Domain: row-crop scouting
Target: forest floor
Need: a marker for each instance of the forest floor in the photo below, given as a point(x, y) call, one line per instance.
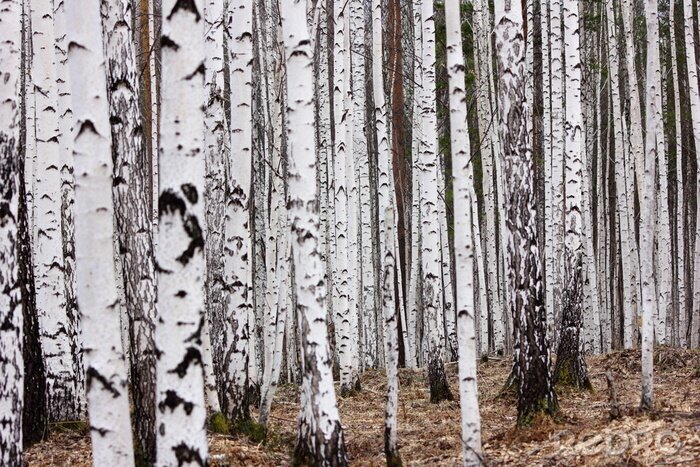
point(429, 434)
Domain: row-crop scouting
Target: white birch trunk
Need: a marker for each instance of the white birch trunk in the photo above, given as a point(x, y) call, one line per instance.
point(12, 330)
point(55, 324)
point(680, 337)
point(237, 244)
point(216, 140)
point(693, 85)
point(181, 412)
point(105, 367)
point(153, 67)
point(432, 296)
point(320, 439)
point(654, 127)
point(446, 277)
point(464, 244)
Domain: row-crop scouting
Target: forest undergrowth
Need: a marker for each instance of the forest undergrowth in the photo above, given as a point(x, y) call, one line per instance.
point(582, 434)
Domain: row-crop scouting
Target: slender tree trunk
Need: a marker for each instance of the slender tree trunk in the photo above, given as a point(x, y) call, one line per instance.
point(216, 139)
point(693, 85)
point(531, 349)
point(11, 332)
point(237, 247)
point(655, 127)
point(320, 439)
point(680, 337)
point(59, 332)
point(432, 295)
point(181, 413)
point(132, 211)
point(105, 367)
point(464, 245)
point(571, 365)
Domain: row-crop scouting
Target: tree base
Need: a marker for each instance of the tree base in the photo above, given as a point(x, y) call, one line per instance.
point(313, 449)
point(351, 390)
point(571, 371)
point(437, 379)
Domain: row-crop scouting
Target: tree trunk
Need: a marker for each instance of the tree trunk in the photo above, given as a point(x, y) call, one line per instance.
point(571, 365)
point(131, 184)
point(11, 332)
point(181, 413)
point(464, 244)
point(320, 440)
point(531, 349)
point(105, 367)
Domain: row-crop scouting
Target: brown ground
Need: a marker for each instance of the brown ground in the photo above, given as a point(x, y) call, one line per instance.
point(429, 434)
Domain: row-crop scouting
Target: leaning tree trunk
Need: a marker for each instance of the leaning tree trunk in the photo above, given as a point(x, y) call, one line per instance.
point(237, 244)
point(105, 367)
point(571, 365)
point(181, 413)
point(133, 216)
point(464, 242)
point(11, 331)
point(531, 349)
point(431, 272)
point(58, 335)
point(320, 440)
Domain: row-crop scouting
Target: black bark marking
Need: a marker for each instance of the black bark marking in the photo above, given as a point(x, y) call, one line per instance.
point(169, 202)
point(172, 401)
point(167, 42)
point(190, 192)
point(194, 231)
point(92, 373)
point(87, 125)
point(200, 70)
point(186, 5)
point(181, 294)
point(192, 356)
point(187, 455)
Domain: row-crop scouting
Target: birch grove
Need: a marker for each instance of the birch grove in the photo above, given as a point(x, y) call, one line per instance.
point(217, 214)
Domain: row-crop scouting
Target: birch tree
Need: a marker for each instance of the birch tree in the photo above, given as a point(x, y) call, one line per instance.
point(464, 244)
point(571, 365)
point(237, 243)
point(132, 214)
point(320, 439)
point(11, 332)
point(531, 349)
point(431, 273)
point(654, 127)
point(105, 367)
point(181, 413)
point(693, 85)
point(216, 144)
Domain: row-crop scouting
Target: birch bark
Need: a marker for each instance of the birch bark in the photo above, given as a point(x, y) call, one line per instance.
point(181, 413)
point(134, 227)
point(320, 440)
point(464, 244)
point(58, 330)
point(11, 332)
point(105, 367)
point(531, 349)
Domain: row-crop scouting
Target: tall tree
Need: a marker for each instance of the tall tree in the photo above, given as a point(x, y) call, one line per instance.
point(58, 330)
point(531, 348)
point(181, 413)
point(320, 440)
point(431, 273)
point(105, 367)
point(133, 215)
point(571, 365)
point(464, 243)
point(11, 331)
point(237, 243)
